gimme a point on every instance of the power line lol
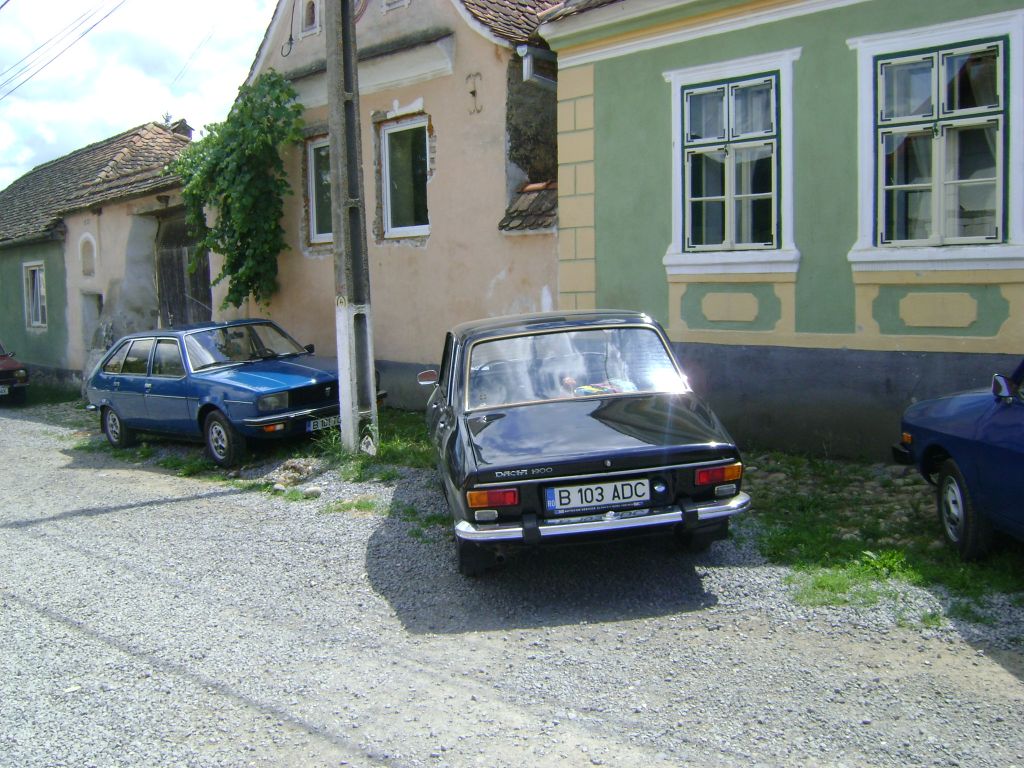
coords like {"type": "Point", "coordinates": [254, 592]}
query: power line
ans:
{"type": "Point", "coordinates": [63, 50]}
{"type": "Point", "coordinates": [5, 2]}
{"type": "Point", "coordinates": [28, 59]}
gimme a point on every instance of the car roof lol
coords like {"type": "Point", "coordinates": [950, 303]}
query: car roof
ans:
{"type": "Point", "coordinates": [181, 330]}
{"type": "Point", "coordinates": [547, 321]}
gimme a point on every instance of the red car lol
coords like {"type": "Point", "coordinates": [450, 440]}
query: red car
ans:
{"type": "Point", "coordinates": [13, 377]}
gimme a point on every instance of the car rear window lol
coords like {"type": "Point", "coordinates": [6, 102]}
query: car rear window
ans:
{"type": "Point", "coordinates": [570, 364]}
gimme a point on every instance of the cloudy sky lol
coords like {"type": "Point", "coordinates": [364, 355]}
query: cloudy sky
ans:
{"type": "Point", "coordinates": [144, 60]}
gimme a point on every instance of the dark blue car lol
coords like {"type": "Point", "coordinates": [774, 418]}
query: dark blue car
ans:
{"type": "Point", "coordinates": [224, 383]}
{"type": "Point", "coordinates": [971, 447]}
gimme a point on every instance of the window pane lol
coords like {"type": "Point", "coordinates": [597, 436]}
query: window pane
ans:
{"type": "Point", "coordinates": [971, 152]}
{"type": "Point", "coordinates": [138, 357]}
{"type": "Point", "coordinates": [754, 221]}
{"type": "Point", "coordinates": [707, 174]}
{"type": "Point", "coordinates": [407, 177]}
{"type": "Point", "coordinates": [321, 171]}
{"type": "Point", "coordinates": [971, 80]}
{"type": "Point", "coordinates": [971, 210]}
{"type": "Point", "coordinates": [908, 214]}
{"type": "Point", "coordinates": [706, 118]}
{"type": "Point", "coordinates": [908, 89]}
{"type": "Point", "coordinates": [908, 158]}
{"type": "Point", "coordinates": [707, 223]}
{"type": "Point", "coordinates": [754, 170]}
{"type": "Point", "coordinates": [167, 360]}
{"type": "Point", "coordinates": [753, 110]}
{"type": "Point", "coordinates": [113, 365]}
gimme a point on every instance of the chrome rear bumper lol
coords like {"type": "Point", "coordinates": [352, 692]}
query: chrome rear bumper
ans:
{"type": "Point", "coordinates": [605, 523]}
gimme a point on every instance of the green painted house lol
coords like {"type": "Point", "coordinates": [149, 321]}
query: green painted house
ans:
{"type": "Point", "coordinates": [93, 245]}
{"type": "Point", "coordinates": [822, 200]}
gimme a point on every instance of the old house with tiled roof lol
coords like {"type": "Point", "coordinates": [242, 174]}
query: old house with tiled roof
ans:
{"type": "Point", "coordinates": [459, 171]}
{"type": "Point", "coordinates": [80, 241]}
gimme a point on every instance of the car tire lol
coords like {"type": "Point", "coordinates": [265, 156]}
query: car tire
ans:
{"type": "Point", "coordinates": [118, 434]}
{"type": "Point", "coordinates": [962, 525]}
{"type": "Point", "coordinates": [473, 559]}
{"type": "Point", "coordinates": [225, 446]}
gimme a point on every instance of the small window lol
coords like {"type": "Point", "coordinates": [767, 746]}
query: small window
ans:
{"type": "Point", "coordinates": [404, 174]}
{"type": "Point", "coordinates": [319, 171]}
{"type": "Point", "coordinates": [310, 17]}
{"type": "Point", "coordinates": [87, 252]}
{"type": "Point", "coordinates": [167, 359]}
{"type": "Point", "coordinates": [116, 361]}
{"type": "Point", "coordinates": [35, 295]}
{"type": "Point", "coordinates": [137, 360]}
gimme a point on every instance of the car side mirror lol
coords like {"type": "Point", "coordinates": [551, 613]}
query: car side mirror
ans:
{"type": "Point", "coordinates": [427, 378]}
{"type": "Point", "coordinates": [310, 348]}
{"type": "Point", "coordinates": [1003, 388]}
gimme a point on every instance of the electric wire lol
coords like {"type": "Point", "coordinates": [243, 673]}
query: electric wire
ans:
{"type": "Point", "coordinates": [62, 51]}
{"type": "Point", "coordinates": [28, 59]}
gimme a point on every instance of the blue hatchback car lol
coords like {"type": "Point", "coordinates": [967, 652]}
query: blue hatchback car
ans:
{"type": "Point", "coordinates": [971, 447]}
{"type": "Point", "coordinates": [224, 383]}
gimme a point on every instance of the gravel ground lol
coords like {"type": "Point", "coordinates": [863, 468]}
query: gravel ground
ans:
{"type": "Point", "coordinates": [153, 620]}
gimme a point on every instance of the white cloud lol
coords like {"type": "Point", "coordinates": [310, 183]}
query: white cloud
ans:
{"type": "Point", "coordinates": [146, 59]}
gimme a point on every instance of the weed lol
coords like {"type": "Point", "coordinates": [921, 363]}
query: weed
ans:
{"type": "Point", "coordinates": [965, 610]}
{"type": "Point", "coordinates": [188, 466]}
{"type": "Point", "coordinates": [363, 504]}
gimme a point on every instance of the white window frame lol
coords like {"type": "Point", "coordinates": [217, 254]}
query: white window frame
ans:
{"type": "Point", "coordinates": [35, 294]}
{"type": "Point", "coordinates": [782, 256]}
{"type": "Point", "coordinates": [386, 130]}
{"type": "Point", "coordinates": [729, 142]}
{"type": "Point", "coordinates": [866, 254]}
{"type": "Point", "coordinates": [938, 121]}
{"type": "Point", "coordinates": [314, 236]}
{"type": "Point", "coordinates": [305, 31]}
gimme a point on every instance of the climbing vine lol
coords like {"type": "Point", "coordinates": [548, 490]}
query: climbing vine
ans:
{"type": "Point", "coordinates": [236, 172]}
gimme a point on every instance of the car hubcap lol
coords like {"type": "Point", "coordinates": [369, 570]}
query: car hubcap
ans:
{"type": "Point", "coordinates": [218, 440]}
{"type": "Point", "coordinates": [113, 426]}
{"type": "Point", "coordinates": [952, 509]}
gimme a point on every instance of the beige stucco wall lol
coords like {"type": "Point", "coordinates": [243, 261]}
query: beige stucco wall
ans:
{"type": "Point", "coordinates": [123, 235]}
{"type": "Point", "coordinates": [465, 268]}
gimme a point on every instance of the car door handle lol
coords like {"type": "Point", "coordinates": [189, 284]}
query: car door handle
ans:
{"type": "Point", "coordinates": [149, 385]}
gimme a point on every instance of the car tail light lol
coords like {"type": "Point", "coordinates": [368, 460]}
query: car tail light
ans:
{"type": "Point", "coordinates": [716, 475]}
{"type": "Point", "coordinates": [493, 497]}
{"type": "Point", "coordinates": [906, 438]}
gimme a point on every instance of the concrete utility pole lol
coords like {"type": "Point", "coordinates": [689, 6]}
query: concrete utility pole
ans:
{"type": "Point", "coordinates": [357, 391]}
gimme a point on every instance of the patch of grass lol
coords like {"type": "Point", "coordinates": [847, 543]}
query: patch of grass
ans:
{"type": "Point", "coordinates": [422, 523]}
{"type": "Point", "coordinates": [403, 443]}
{"type": "Point", "coordinates": [187, 466]}
{"type": "Point", "coordinates": [862, 523]}
{"type": "Point", "coordinates": [363, 504]}
{"type": "Point", "coordinates": [51, 394]}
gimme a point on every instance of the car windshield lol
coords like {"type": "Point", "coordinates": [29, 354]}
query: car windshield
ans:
{"type": "Point", "coordinates": [238, 344]}
{"type": "Point", "coordinates": [570, 364]}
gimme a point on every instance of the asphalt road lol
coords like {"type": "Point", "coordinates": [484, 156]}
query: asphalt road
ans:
{"type": "Point", "coordinates": [152, 620]}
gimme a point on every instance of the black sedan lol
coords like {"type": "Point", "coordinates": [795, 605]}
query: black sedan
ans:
{"type": "Point", "coordinates": [971, 446]}
{"type": "Point", "coordinates": [560, 426]}
{"type": "Point", "coordinates": [224, 383]}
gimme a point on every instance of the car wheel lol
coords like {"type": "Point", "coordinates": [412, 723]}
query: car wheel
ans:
{"type": "Point", "coordinates": [473, 559]}
{"type": "Point", "coordinates": [225, 445]}
{"type": "Point", "coordinates": [963, 526]}
{"type": "Point", "coordinates": [118, 435]}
